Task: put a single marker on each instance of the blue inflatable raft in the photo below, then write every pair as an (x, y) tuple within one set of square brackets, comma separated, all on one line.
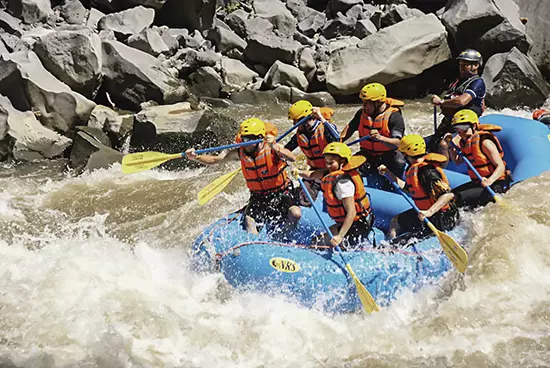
[(318, 278)]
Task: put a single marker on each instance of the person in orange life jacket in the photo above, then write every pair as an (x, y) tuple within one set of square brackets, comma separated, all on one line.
[(484, 151), (429, 188), (466, 92), (543, 116), (381, 119), (263, 165), (312, 137), (347, 201)]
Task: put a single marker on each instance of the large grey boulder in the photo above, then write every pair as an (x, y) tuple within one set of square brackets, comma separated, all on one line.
[(13, 43), (205, 81), (150, 41), (536, 11), (74, 12), (30, 86), (258, 26), (235, 74), (31, 11), (133, 77), (513, 80), (398, 13), (364, 28), (281, 74), (175, 128), (299, 9), (92, 150), (266, 49), (72, 55), (107, 120), (225, 40), (190, 14), (307, 63), (33, 141), (10, 24), (127, 22), (401, 51), (490, 26), (313, 23), (276, 12), (236, 20), (339, 26), (94, 16)]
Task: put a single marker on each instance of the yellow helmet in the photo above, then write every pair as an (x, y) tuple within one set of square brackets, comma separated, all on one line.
[(338, 149), (412, 145), (465, 117), (373, 92), (252, 126), (300, 109)]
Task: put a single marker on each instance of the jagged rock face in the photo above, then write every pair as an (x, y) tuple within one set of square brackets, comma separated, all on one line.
[(536, 11), (394, 53), (132, 77), (491, 26), (127, 22), (31, 11), (31, 140), (30, 86), (513, 80), (191, 14), (74, 57)]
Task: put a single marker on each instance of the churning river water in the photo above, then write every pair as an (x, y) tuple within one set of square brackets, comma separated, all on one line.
[(93, 273)]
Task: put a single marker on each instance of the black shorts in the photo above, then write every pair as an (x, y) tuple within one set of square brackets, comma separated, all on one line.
[(472, 194), (443, 220), (358, 232), (272, 207)]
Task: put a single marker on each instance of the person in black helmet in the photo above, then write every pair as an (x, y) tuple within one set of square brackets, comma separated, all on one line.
[(466, 92)]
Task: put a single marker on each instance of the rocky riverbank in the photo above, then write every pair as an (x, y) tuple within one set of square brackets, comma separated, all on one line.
[(82, 79)]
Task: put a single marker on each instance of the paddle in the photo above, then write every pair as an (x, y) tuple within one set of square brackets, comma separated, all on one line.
[(368, 302), (214, 188), (456, 254), (495, 196), (365, 138), (140, 161)]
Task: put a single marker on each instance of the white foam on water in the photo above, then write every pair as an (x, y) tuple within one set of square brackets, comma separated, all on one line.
[(74, 291)]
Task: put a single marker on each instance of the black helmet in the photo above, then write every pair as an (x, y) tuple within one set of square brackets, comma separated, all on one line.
[(471, 55)]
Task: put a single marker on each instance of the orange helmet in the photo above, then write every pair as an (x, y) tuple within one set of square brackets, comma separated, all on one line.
[(539, 112)]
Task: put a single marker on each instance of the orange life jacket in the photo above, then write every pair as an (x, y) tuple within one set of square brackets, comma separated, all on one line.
[(381, 124), (472, 150), (422, 199), (313, 147), (335, 206), (269, 129), (264, 172)]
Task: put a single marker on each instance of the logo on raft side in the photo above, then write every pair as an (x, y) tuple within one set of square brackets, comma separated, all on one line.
[(284, 265)]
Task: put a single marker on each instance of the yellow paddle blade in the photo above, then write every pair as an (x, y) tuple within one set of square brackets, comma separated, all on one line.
[(141, 161), (368, 302), (456, 254), (214, 188)]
